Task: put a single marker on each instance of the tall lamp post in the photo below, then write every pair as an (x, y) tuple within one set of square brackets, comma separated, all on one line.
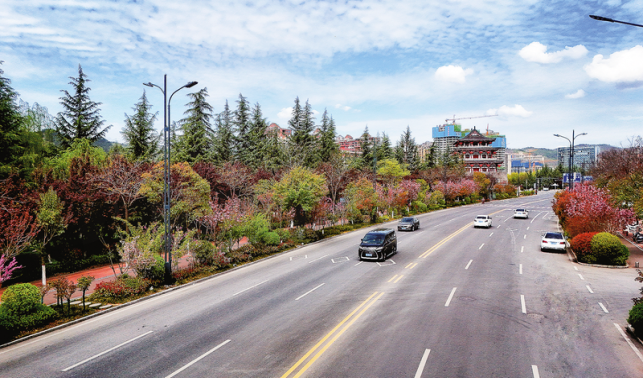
[(166, 172), (571, 155)]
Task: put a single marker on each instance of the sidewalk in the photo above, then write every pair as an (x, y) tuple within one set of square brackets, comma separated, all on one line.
[(636, 251)]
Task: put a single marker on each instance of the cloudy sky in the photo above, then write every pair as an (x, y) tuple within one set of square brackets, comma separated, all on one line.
[(542, 67)]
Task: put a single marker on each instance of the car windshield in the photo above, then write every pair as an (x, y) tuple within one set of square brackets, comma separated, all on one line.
[(481, 217), (407, 220), (551, 235), (373, 238)]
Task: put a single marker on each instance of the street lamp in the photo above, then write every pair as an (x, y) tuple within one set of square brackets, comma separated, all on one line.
[(600, 18), (166, 173), (571, 155)]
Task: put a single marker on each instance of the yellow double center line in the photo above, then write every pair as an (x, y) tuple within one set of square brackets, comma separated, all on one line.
[(350, 319)]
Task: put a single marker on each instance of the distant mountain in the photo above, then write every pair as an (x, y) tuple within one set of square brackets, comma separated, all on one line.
[(104, 144), (552, 153)]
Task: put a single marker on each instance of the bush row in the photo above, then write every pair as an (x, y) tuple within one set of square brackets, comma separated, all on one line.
[(599, 248)]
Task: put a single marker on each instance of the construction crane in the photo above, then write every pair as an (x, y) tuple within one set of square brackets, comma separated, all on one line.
[(455, 119)]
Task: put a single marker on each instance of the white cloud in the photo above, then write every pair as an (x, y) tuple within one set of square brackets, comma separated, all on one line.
[(285, 113), (504, 110), (578, 94), (621, 67), (537, 52), (343, 107), (452, 74)]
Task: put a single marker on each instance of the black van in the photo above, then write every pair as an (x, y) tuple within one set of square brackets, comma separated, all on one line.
[(378, 245)]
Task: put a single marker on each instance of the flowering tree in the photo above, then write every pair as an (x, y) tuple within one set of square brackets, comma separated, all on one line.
[(590, 209), (7, 267), (361, 197), (121, 181)]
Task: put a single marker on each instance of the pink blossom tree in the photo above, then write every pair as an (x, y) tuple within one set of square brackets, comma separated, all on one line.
[(7, 267)]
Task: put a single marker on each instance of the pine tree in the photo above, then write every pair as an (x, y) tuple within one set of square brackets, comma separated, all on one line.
[(223, 144), (242, 126), (81, 116), (273, 152), (141, 139), (256, 137), (367, 149), (302, 125), (327, 145), (407, 151), (194, 143), (384, 149), (10, 127)]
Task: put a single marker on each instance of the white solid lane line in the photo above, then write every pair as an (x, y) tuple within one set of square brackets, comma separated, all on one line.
[(589, 289), (629, 342), (251, 287), (603, 307), (467, 267), (197, 359), (418, 373), (308, 292), (107, 351), (450, 297), (522, 304), (534, 370)]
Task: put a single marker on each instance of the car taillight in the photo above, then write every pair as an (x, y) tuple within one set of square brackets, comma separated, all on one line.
[(562, 242), (544, 241)]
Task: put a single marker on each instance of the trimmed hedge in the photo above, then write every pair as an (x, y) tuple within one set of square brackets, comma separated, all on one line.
[(636, 319), (21, 309), (582, 246), (608, 249)]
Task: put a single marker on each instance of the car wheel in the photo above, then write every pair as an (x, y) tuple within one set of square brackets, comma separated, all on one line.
[(383, 256)]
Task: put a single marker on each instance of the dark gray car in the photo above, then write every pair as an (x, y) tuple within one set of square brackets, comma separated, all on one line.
[(408, 224)]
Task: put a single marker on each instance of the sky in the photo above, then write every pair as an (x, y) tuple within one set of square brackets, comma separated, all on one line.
[(537, 68)]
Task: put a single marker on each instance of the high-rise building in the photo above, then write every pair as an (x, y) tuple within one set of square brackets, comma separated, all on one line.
[(444, 136), (584, 156)]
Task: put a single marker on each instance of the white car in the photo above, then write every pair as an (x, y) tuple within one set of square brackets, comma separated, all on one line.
[(482, 221), (553, 241), (521, 213), (545, 189)]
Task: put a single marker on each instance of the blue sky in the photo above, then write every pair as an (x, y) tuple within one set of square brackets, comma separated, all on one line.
[(543, 67)]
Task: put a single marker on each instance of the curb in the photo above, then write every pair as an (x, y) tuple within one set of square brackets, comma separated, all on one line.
[(575, 259)]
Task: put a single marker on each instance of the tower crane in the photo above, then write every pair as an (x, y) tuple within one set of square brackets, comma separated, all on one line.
[(455, 119)]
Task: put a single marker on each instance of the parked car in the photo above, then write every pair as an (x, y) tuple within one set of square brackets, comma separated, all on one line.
[(632, 228), (553, 241), (378, 244), (408, 223), (638, 237), (482, 221), (521, 213)]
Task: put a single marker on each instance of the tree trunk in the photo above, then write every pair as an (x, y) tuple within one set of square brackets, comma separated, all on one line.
[(44, 270)]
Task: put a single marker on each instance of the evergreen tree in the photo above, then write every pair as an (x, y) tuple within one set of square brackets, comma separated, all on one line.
[(194, 143), (273, 153), (141, 139), (81, 116), (327, 145), (367, 149), (302, 125), (407, 151), (10, 127), (256, 137), (242, 126), (222, 146), (384, 149)]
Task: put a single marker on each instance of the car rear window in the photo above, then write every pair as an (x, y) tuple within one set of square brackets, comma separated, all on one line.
[(551, 235), (481, 217), (521, 210), (407, 219)]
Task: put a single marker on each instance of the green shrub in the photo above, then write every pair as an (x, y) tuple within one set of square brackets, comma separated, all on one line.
[(271, 238), (155, 272), (609, 250), (419, 206), (284, 235), (122, 287), (21, 308), (203, 252), (636, 319)]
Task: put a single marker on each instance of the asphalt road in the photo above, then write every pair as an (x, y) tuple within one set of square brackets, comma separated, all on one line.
[(453, 302)]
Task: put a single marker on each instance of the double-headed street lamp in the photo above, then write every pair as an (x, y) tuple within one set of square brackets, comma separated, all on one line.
[(600, 18), (166, 173), (571, 155)]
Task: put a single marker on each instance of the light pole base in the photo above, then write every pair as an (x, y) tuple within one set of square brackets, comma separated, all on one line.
[(169, 280)]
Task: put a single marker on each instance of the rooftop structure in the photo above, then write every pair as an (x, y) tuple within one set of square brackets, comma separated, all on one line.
[(478, 153)]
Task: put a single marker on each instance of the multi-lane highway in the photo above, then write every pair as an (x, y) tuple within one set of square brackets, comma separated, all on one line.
[(453, 302)]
